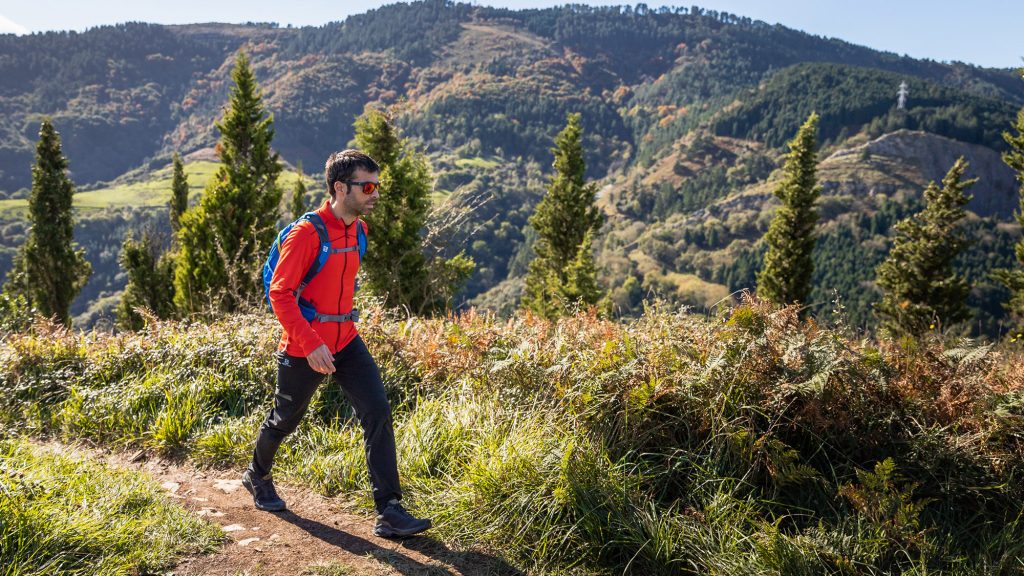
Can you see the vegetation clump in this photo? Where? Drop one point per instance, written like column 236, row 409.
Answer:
column 64, row 514
column 751, row 442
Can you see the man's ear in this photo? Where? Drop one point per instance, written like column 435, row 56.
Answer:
column 338, row 185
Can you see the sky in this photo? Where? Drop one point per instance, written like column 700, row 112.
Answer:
column 982, row 32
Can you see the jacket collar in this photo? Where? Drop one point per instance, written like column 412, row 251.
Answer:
column 330, row 220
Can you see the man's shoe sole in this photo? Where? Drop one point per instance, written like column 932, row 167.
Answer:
column 387, row 532
column 275, row 508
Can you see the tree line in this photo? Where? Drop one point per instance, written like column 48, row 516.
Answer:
column 212, row 265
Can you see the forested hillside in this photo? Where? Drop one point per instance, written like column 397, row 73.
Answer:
column 685, row 115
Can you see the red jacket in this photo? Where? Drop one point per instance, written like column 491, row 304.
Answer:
column 330, row 291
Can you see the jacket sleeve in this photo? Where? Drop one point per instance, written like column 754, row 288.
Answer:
column 297, row 253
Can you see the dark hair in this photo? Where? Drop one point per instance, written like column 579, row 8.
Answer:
column 342, row 165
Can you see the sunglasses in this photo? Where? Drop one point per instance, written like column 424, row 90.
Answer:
column 368, row 187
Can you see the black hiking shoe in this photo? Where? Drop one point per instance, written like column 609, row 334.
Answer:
column 394, row 521
column 263, row 493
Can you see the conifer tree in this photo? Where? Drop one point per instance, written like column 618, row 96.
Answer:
column 179, row 194
column 1013, row 278
column 150, row 281
column 562, row 275
column 49, row 270
column 298, row 205
column 397, row 265
column 150, row 270
column 581, row 275
column 788, row 267
column 921, row 290
column 224, row 238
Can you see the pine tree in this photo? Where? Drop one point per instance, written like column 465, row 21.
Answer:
column 562, row 275
column 49, row 270
column 788, row 267
column 1014, row 278
column 150, row 281
column 397, row 264
column 150, row 270
column 921, row 290
column 224, row 238
column 179, row 194
column 581, row 275
column 298, row 205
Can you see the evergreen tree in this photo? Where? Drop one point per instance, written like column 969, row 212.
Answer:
column 224, row 238
column 1014, row 278
column 49, row 270
column 298, row 205
column 397, row 264
column 788, row 267
column 150, row 281
column 179, row 194
column 581, row 275
column 921, row 290
column 562, row 275
column 150, row 270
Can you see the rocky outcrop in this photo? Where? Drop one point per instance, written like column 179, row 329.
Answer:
column 923, row 158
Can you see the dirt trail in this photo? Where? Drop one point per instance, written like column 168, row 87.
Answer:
column 314, row 536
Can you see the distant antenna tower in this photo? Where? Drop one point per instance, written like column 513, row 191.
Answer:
column 901, row 103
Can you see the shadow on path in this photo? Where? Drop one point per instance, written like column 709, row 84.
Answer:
column 469, row 563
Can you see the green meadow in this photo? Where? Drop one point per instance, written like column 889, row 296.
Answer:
column 154, row 189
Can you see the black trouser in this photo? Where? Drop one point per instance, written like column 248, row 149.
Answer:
column 358, row 375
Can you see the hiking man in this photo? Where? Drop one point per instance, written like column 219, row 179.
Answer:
column 320, row 338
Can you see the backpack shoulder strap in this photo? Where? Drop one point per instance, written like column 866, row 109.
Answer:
column 322, row 252
column 361, row 239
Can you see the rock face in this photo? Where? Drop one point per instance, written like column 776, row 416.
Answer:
column 924, row 158
column 900, row 163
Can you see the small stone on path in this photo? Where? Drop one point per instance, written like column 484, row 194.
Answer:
column 227, row 486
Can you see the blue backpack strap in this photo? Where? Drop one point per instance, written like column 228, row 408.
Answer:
column 323, row 253
column 361, row 239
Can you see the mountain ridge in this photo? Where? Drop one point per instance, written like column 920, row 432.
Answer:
column 681, row 108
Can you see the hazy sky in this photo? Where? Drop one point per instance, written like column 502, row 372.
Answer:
column 983, row 32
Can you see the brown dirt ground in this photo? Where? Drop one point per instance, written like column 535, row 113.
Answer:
column 316, row 536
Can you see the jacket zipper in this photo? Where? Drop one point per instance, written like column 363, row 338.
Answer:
column 341, row 292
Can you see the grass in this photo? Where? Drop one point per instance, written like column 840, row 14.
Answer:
column 752, row 442
column 65, row 515
column 478, row 163
column 328, row 569
column 155, row 190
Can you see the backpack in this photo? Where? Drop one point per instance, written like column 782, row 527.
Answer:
column 308, row 310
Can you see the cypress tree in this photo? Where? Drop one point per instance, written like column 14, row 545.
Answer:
column 581, row 275
column 298, row 205
column 921, row 290
column 49, row 269
column 562, row 275
column 1013, row 278
column 150, row 281
column 397, row 265
column 150, row 270
column 224, row 238
column 786, row 275
column 179, row 194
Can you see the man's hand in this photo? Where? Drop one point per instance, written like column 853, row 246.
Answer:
column 321, row 360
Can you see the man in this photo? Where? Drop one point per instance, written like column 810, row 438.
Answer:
column 330, row 344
